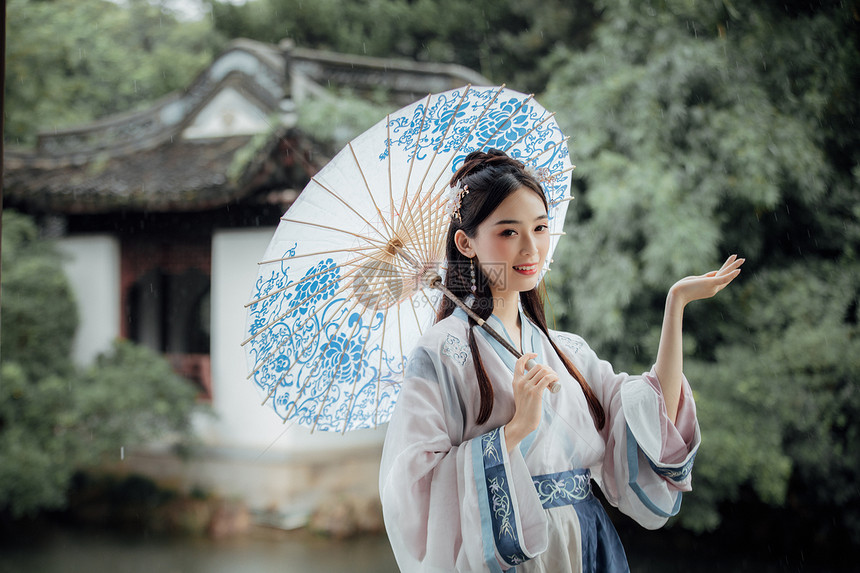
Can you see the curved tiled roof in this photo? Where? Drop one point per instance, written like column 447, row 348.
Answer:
column 141, row 161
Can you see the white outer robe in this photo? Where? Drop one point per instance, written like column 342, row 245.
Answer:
column 444, row 480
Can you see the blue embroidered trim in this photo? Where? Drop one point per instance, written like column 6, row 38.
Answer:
column 486, row 520
column 563, row 488
column 499, row 497
column 676, row 473
column 633, row 468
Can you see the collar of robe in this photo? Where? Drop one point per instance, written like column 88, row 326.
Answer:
column 530, row 336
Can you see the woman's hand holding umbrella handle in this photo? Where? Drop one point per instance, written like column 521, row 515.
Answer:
column 528, row 385
column 554, row 387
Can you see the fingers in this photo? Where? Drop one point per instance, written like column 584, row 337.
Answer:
column 540, row 377
column 735, row 264
column 520, row 366
column 546, row 380
column 729, row 270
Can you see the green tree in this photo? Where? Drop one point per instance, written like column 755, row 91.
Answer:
column 56, row 419
column 71, row 61
column 502, row 40
column 703, row 129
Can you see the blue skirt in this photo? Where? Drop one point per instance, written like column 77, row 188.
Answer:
column 581, row 536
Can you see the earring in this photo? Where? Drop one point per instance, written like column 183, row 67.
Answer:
column 472, row 273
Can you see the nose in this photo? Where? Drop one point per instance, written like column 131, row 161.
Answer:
column 529, row 244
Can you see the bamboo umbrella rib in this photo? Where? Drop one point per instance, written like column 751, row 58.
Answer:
column 400, row 338
column 329, row 228
column 314, row 366
column 349, row 263
column 444, row 135
column 563, row 171
column 438, row 218
column 439, row 234
column 420, row 234
column 549, row 148
column 442, row 217
column 417, row 144
column 418, row 202
column 317, row 254
column 560, row 201
column 529, row 132
column 417, row 320
column 393, row 262
column 301, row 302
column 334, row 375
column 370, row 192
column 388, row 150
column 348, row 206
column 527, row 99
column 427, row 298
column 468, row 135
column 405, row 200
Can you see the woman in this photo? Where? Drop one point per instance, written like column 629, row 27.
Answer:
column 483, row 469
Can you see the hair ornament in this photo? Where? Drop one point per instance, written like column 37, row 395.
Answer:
column 541, row 175
column 455, row 197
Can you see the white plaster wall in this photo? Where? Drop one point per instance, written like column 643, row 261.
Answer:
column 92, row 265
column 241, row 421
column 229, row 113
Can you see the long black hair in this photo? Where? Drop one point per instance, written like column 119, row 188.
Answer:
column 491, row 177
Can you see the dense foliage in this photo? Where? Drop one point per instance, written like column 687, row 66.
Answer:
column 699, row 128
column 502, row 40
column 55, row 418
column 71, row 61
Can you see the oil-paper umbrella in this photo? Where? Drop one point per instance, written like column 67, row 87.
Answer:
column 352, row 276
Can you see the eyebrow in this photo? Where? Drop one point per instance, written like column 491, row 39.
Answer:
column 515, row 222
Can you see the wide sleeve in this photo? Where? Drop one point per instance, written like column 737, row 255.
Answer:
column 648, row 459
column 450, row 506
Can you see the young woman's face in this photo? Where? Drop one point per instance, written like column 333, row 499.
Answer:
column 512, row 243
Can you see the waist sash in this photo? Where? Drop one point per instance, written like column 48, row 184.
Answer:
column 563, row 488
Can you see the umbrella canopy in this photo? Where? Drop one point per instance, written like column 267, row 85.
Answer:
column 341, row 296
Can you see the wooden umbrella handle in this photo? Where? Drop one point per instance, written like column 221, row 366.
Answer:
column 433, row 280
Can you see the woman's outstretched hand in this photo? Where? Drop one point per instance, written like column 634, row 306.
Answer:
column 528, row 399
column 707, row 285
column 670, row 358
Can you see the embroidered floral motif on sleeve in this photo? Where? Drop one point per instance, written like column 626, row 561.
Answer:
column 501, row 507
column 454, row 348
column 490, row 451
column 570, row 342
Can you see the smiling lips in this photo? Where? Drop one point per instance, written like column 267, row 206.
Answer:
column 526, row 269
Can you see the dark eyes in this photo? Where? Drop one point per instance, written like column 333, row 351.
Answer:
column 512, row 232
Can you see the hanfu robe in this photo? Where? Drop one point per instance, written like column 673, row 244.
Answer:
column 454, row 498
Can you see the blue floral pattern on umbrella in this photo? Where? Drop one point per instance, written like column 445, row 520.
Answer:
column 339, row 300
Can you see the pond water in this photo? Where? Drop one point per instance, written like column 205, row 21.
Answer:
column 66, row 550
column 262, row 551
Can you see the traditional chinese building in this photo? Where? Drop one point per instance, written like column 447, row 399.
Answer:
column 162, row 215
